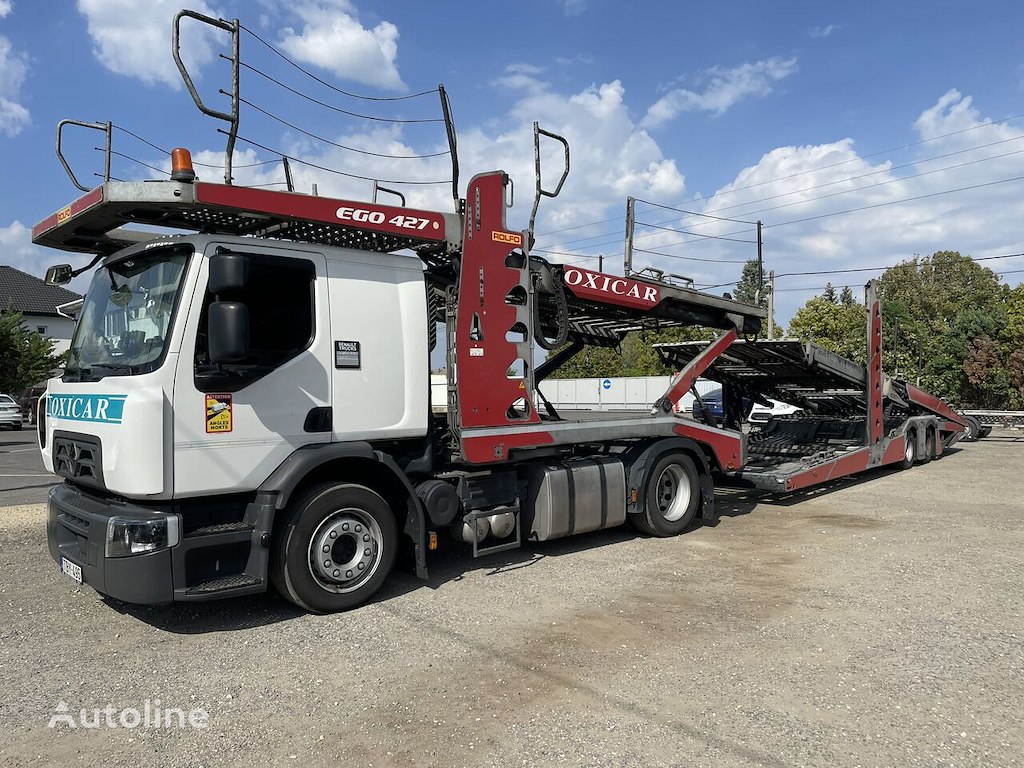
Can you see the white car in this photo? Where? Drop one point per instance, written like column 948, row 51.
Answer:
column 760, row 414
column 10, row 413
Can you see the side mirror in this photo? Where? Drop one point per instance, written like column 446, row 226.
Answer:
column 228, row 323
column 59, row 274
column 228, row 272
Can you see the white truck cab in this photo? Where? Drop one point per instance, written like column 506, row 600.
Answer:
column 199, row 364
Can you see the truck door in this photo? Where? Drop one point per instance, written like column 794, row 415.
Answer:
column 234, row 423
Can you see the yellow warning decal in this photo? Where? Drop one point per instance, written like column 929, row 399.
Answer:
column 218, row 413
column 63, row 214
column 511, row 238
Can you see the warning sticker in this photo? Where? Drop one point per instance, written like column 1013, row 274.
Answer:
column 218, row 413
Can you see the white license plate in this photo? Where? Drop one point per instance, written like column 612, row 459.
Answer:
column 70, row 569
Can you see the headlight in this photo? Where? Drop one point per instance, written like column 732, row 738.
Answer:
column 134, row 536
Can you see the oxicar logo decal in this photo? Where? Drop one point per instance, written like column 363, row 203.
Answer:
column 107, row 409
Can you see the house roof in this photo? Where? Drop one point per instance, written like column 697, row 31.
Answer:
column 28, row 294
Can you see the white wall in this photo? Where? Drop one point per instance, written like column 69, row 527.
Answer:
column 617, row 393
column 60, row 329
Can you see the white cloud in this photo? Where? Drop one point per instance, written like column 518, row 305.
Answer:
column 724, row 88
column 19, row 252
column 612, row 157
column 332, row 38
column 574, row 7
column 790, row 184
column 822, row 32
column 5, row 8
column 133, row 38
column 13, row 68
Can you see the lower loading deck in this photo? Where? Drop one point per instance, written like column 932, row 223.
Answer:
column 840, row 431
column 794, row 452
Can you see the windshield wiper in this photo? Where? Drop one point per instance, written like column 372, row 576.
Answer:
column 117, row 367
column 76, row 373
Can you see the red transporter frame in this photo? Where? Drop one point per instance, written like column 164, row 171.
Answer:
column 490, row 412
column 493, row 413
column 825, row 384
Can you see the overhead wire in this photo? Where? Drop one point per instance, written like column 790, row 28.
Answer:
column 334, row 108
column 334, row 143
column 331, row 86
column 332, row 170
column 825, row 167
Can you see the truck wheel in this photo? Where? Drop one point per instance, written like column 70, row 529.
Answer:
column 335, row 549
column 910, row 451
column 671, row 496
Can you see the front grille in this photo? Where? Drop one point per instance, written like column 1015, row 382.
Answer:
column 78, row 458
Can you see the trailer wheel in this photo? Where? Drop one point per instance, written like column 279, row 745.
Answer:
column 910, row 451
column 336, row 548
column 929, row 446
column 973, row 431
column 671, row 496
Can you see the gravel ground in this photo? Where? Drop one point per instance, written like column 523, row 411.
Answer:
column 878, row 623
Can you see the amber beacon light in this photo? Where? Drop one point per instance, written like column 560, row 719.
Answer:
column 181, row 165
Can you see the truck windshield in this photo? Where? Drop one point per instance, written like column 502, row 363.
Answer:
column 126, row 316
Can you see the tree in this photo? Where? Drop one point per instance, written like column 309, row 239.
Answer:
column 26, row 357
column 945, row 303
column 838, row 327
column 635, row 356
column 747, row 289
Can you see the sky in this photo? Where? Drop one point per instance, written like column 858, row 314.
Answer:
column 859, row 134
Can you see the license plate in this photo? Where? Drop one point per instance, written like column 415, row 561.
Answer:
column 70, row 569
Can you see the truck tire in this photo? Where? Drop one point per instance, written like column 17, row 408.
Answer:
column 671, row 497
column 335, row 548
column 909, row 451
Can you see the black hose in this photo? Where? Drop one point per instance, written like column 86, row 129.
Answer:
column 561, row 312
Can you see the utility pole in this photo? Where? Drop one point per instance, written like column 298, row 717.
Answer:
column 760, row 261
column 600, row 262
column 628, row 256
column 771, row 304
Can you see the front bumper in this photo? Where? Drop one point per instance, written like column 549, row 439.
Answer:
column 76, row 529
column 215, row 562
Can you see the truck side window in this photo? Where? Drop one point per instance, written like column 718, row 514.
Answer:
column 279, row 295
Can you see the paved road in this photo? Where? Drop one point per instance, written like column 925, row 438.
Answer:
column 878, row 623
column 23, row 479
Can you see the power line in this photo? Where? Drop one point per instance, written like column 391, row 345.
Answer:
column 884, row 183
column 691, row 258
column 869, row 269
column 692, row 213
column 697, row 234
column 332, row 170
column 825, row 167
column 324, row 104
column 329, row 85
column 334, row 143
column 878, row 269
column 895, row 202
column 151, row 145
